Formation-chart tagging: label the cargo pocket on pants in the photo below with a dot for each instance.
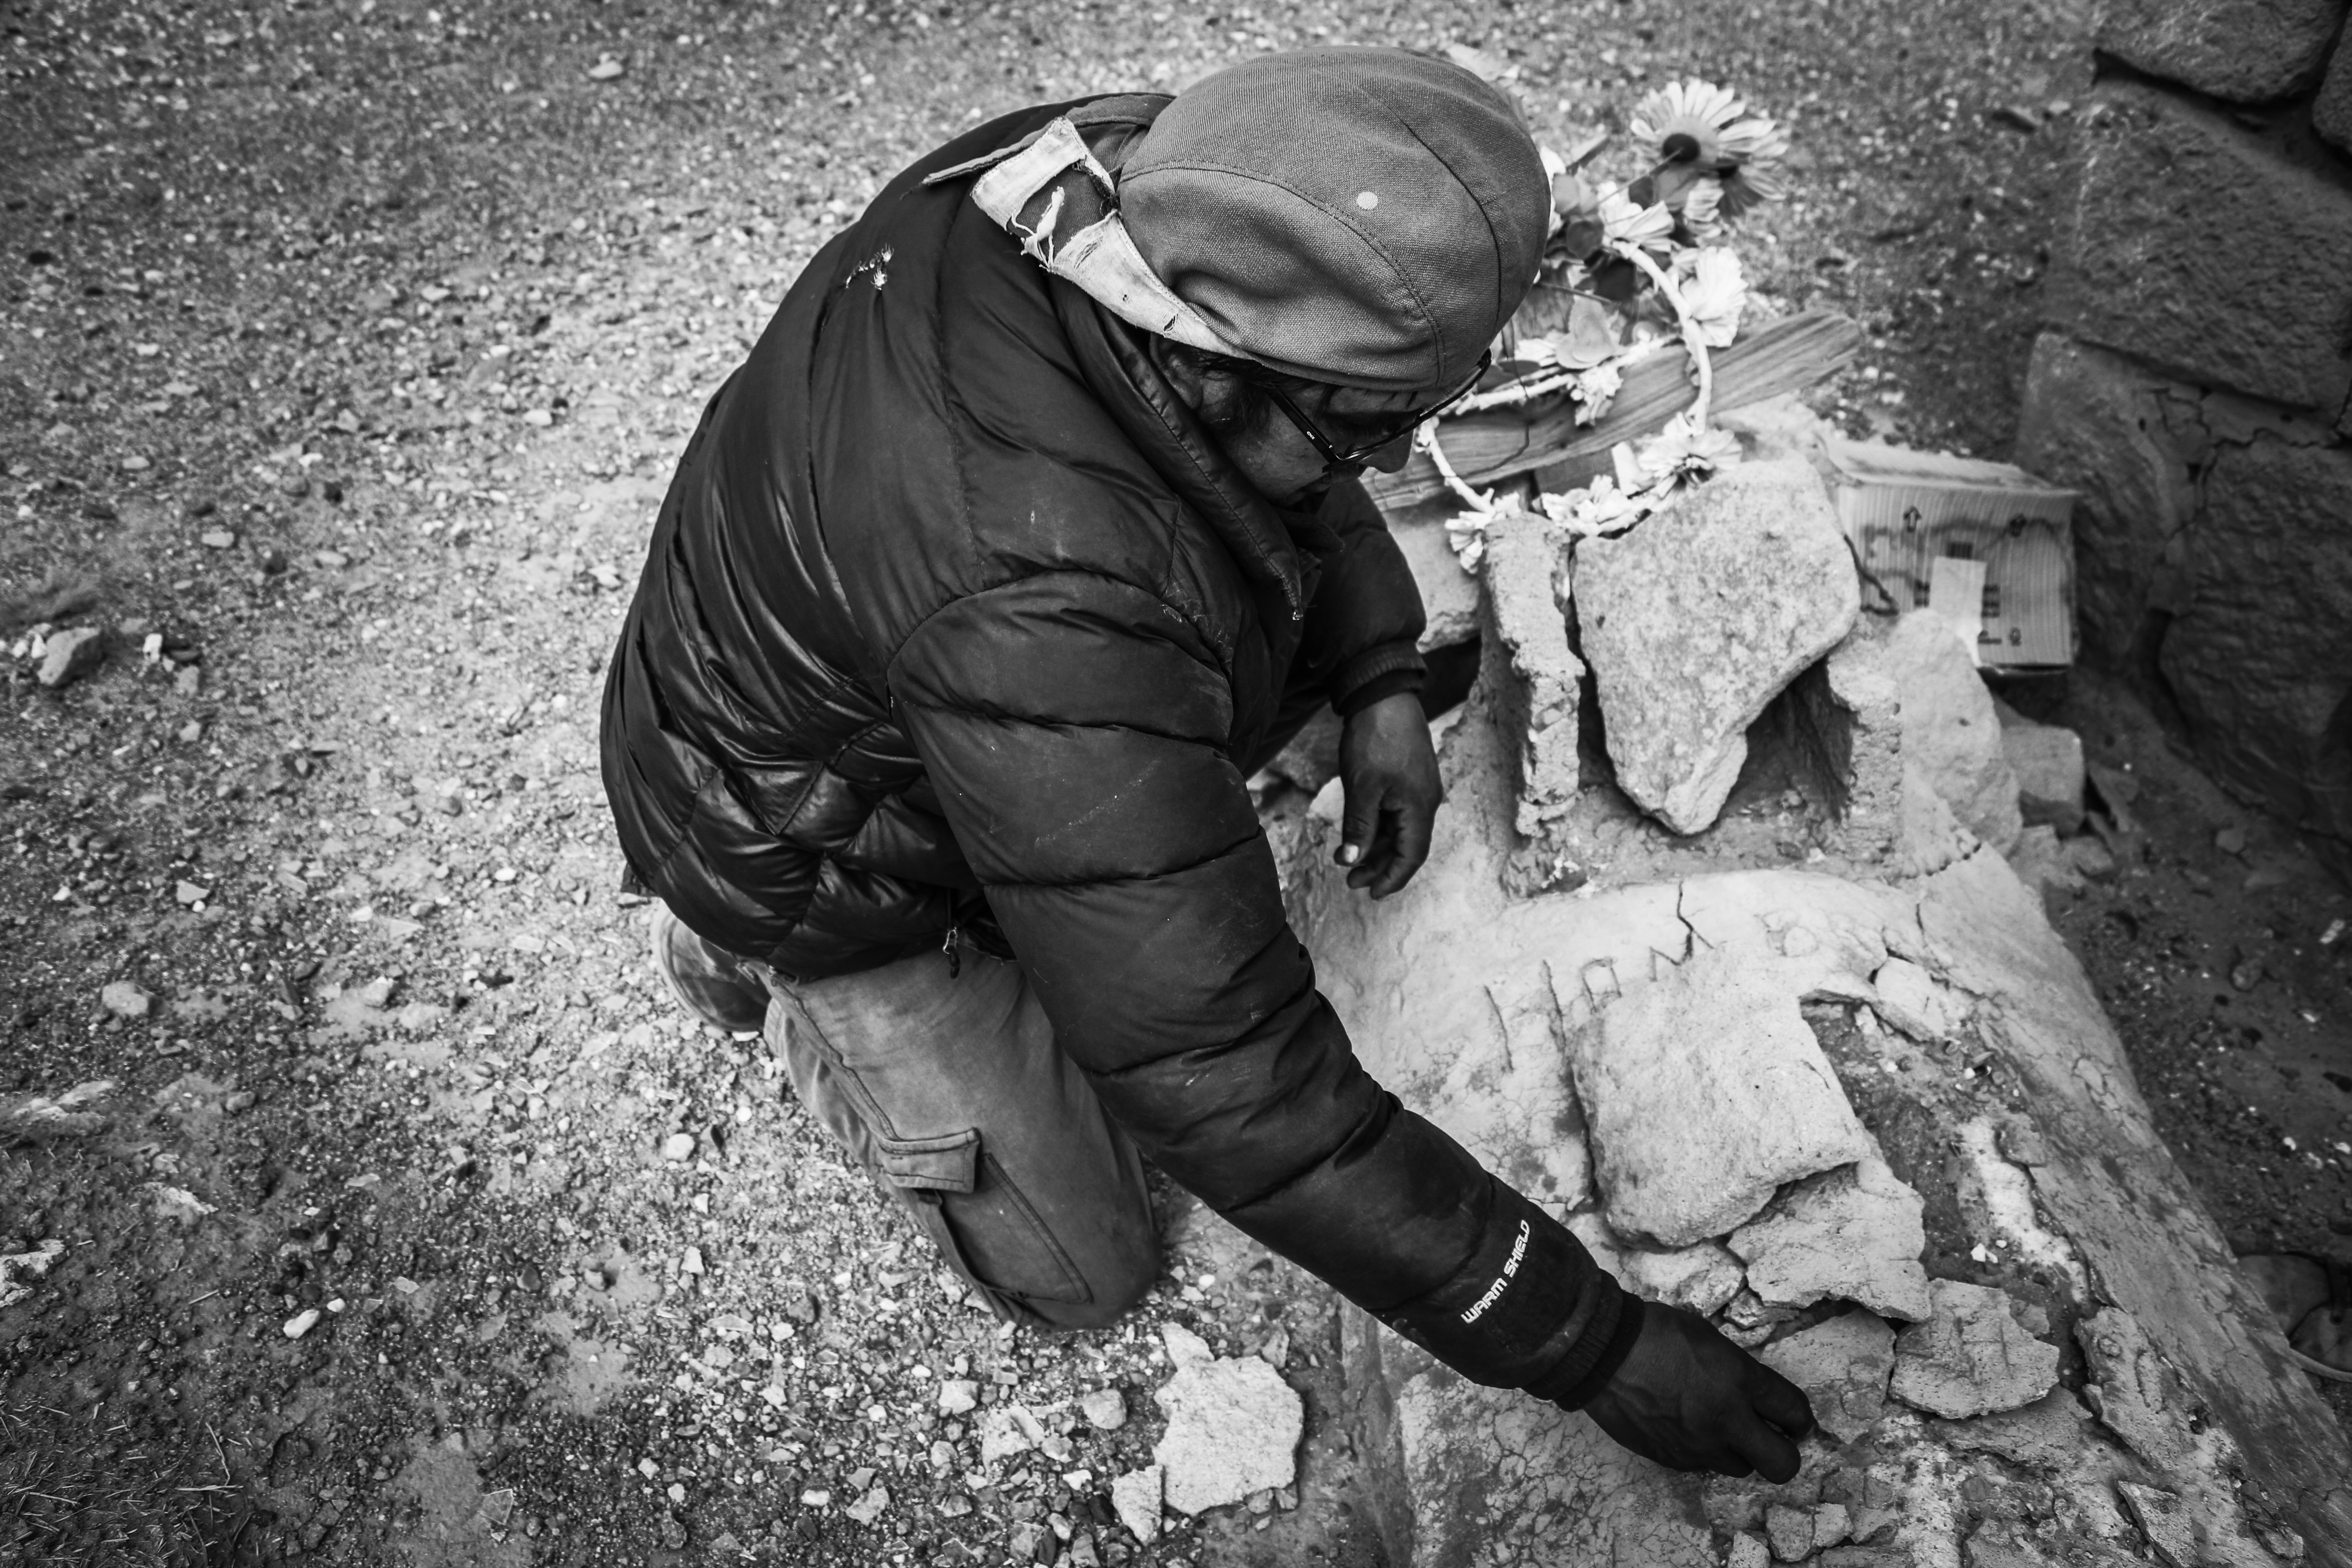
(982, 1219)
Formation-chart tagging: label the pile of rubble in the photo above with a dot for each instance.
(1748, 982)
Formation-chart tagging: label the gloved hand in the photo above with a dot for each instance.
(1389, 772)
(1692, 1400)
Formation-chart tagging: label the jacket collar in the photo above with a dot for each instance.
(1179, 449)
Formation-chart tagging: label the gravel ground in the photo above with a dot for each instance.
(347, 347)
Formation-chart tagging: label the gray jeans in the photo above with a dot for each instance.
(948, 1089)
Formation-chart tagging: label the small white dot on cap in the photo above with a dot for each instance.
(1368, 200)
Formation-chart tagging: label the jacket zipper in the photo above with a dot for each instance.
(954, 957)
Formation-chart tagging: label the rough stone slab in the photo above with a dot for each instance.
(1529, 667)
(1704, 1091)
(1951, 733)
(2248, 51)
(2331, 111)
(2228, 268)
(1233, 1429)
(1843, 1365)
(1971, 1356)
(2101, 425)
(2048, 761)
(2260, 656)
(1853, 1234)
(1698, 618)
(1490, 1475)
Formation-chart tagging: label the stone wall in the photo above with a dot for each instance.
(2194, 383)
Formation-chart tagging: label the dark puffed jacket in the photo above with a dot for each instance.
(955, 616)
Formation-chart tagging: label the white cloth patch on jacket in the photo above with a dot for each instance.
(1084, 240)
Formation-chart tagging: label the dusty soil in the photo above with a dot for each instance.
(347, 348)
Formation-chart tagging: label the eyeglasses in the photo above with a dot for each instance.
(1354, 456)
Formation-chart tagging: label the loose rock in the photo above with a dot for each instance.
(1686, 646)
(1135, 1498)
(1854, 1233)
(1105, 1410)
(1843, 1365)
(1233, 1429)
(66, 656)
(1915, 1002)
(1971, 1356)
(126, 999)
(1790, 1532)
(1701, 1279)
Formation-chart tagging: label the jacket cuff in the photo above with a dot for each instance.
(1580, 1375)
(1373, 690)
(1349, 684)
(1527, 1303)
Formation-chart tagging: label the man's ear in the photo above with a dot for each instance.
(1182, 370)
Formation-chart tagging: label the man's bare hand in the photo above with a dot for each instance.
(1692, 1400)
(1389, 771)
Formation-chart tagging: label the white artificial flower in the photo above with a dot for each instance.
(1683, 447)
(1712, 294)
(1595, 389)
(1623, 224)
(1467, 532)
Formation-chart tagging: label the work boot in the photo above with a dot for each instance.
(707, 981)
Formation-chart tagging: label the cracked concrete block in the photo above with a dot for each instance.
(1853, 1234)
(1697, 619)
(1950, 732)
(2260, 655)
(1747, 1552)
(1526, 663)
(2247, 51)
(1918, 1003)
(1704, 1091)
(1971, 1356)
(2229, 270)
(1233, 1428)
(1842, 1364)
(1832, 1525)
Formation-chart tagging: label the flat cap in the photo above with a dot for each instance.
(1363, 217)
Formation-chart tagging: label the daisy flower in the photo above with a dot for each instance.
(1686, 121)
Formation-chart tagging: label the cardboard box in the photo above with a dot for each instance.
(1970, 539)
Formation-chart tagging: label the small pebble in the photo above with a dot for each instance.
(301, 1323)
(679, 1147)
